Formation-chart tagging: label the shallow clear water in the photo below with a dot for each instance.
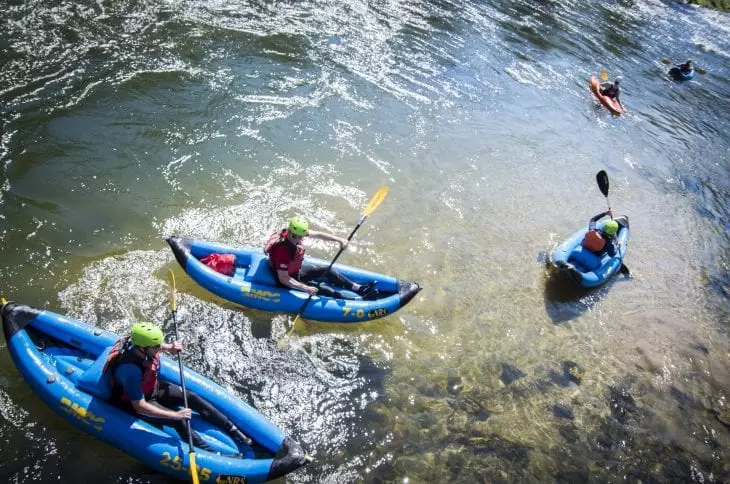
(218, 120)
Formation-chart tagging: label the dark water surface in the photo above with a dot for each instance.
(122, 122)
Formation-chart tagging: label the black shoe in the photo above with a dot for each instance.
(366, 289)
(241, 437)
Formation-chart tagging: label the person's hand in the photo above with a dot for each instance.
(609, 213)
(184, 414)
(176, 347)
(312, 290)
(343, 242)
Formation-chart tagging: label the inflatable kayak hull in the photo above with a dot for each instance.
(253, 285)
(610, 103)
(56, 354)
(586, 268)
(678, 75)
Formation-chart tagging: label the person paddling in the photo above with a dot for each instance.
(687, 67)
(133, 365)
(612, 90)
(286, 260)
(602, 241)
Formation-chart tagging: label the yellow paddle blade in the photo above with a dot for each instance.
(666, 61)
(171, 277)
(4, 301)
(375, 201)
(700, 70)
(193, 469)
(604, 75)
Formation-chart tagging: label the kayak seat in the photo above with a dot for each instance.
(259, 271)
(584, 259)
(93, 381)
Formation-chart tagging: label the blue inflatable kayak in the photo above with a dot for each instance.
(61, 360)
(678, 75)
(253, 284)
(585, 267)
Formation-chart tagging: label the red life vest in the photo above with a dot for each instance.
(594, 241)
(296, 257)
(123, 353)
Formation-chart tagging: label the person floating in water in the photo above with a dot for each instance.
(612, 90)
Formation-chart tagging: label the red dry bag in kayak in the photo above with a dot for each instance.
(223, 263)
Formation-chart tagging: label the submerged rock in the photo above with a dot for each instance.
(510, 373)
(471, 406)
(682, 397)
(496, 446)
(563, 411)
(700, 347)
(573, 371)
(558, 378)
(622, 404)
(454, 385)
(572, 477)
(569, 433)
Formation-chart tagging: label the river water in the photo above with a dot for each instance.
(123, 122)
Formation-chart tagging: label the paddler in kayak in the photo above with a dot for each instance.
(602, 241)
(286, 260)
(612, 89)
(687, 67)
(133, 365)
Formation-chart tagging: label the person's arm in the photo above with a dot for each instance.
(175, 347)
(331, 237)
(143, 407)
(596, 218)
(289, 281)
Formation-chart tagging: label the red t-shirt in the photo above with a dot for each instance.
(282, 256)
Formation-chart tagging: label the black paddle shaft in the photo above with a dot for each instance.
(182, 383)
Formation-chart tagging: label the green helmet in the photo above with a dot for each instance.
(298, 226)
(146, 334)
(611, 227)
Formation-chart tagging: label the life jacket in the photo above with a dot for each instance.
(122, 353)
(296, 253)
(594, 241)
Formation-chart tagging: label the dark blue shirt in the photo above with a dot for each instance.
(129, 377)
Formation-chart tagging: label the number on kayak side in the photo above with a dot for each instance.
(360, 313)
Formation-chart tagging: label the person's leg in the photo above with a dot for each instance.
(171, 395)
(179, 425)
(309, 273)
